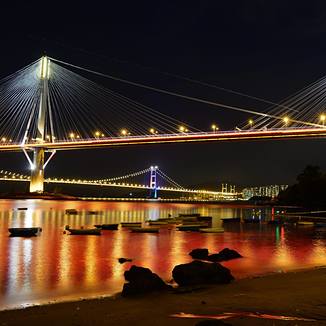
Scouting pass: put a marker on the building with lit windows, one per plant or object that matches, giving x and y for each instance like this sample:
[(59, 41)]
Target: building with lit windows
[(271, 191)]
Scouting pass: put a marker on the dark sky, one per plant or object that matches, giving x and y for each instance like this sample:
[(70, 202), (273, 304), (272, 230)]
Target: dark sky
[(263, 48)]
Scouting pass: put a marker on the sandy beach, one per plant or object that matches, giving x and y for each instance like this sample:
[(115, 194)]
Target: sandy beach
[(298, 294)]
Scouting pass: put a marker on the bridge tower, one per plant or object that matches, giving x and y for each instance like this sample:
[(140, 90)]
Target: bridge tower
[(37, 166), (153, 182)]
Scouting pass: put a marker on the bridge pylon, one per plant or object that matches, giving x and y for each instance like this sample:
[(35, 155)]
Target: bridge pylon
[(153, 182), (37, 166)]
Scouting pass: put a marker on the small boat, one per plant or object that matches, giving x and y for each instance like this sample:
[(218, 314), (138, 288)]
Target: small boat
[(93, 212), (204, 218), (190, 227), (157, 222), (212, 230), (84, 231), (231, 220), (131, 224), (22, 208), (107, 226), (71, 211), (145, 230), (24, 232), (189, 215)]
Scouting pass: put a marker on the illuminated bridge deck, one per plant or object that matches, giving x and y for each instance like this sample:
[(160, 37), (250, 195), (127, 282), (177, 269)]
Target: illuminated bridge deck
[(290, 133)]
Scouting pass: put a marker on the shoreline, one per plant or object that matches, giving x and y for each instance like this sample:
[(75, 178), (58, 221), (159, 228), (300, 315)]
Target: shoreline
[(294, 293)]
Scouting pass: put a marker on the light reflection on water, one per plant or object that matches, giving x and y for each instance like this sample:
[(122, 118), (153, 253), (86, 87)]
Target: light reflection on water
[(56, 266)]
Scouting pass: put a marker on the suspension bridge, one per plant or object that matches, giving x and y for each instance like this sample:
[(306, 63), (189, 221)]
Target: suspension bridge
[(153, 185), (49, 105)]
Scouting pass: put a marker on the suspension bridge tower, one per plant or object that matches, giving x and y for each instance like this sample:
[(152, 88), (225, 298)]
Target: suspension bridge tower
[(37, 166), (153, 182)]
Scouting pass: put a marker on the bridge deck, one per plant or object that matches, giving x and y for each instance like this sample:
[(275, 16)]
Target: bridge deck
[(290, 133)]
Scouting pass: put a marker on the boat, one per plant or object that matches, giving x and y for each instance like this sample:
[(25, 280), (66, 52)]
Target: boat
[(212, 230), (204, 218), (22, 208), (231, 220), (24, 232), (71, 211), (94, 231), (145, 230), (93, 212), (189, 215), (157, 223), (190, 227), (131, 224), (107, 226)]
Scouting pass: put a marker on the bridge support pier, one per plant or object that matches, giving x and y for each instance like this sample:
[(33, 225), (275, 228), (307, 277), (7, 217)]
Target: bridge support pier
[(37, 174)]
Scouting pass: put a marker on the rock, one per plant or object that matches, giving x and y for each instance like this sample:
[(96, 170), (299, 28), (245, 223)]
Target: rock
[(124, 260), (199, 272), (212, 322), (200, 253), (224, 255), (141, 280)]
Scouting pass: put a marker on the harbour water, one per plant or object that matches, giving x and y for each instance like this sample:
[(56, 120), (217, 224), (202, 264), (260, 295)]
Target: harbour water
[(56, 266)]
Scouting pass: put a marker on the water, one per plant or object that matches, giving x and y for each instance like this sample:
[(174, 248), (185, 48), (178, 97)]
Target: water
[(55, 266)]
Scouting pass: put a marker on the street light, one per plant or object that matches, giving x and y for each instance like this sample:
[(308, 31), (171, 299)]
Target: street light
[(124, 132), (72, 135), (322, 118), (214, 127), (250, 122), (286, 120), (97, 134)]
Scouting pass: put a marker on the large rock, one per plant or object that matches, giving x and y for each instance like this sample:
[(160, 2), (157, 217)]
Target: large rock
[(224, 255), (200, 253), (212, 322), (141, 280), (198, 272)]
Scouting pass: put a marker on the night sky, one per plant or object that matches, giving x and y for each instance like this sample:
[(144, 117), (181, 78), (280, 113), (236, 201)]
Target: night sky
[(263, 48)]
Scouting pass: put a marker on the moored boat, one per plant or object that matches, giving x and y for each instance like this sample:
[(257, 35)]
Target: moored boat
[(131, 224), (107, 226), (71, 211), (157, 223), (230, 220), (145, 230), (24, 232), (22, 208), (84, 231), (190, 227)]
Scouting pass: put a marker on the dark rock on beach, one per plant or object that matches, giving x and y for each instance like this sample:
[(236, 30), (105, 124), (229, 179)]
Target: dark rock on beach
[(142, 280), (212, 322), (224, 255), (200, 253), (198, 272), (124, 260)]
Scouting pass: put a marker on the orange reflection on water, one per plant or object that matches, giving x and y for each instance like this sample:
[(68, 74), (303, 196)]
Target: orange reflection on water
[(57, 266)]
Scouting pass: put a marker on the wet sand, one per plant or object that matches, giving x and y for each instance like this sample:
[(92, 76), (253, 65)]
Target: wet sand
[(297, 294)]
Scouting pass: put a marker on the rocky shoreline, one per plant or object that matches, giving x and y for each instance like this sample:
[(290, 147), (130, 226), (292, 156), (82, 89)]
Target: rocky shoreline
[(295, 294)]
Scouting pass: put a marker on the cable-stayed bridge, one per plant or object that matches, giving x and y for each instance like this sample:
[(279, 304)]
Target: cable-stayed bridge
[(52, 105), (154, 175)]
